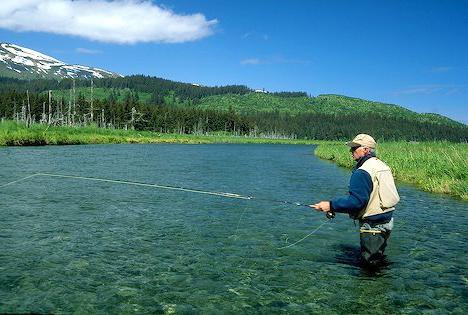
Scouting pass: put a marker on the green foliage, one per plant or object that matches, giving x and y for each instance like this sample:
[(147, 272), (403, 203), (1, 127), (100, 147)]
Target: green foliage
[(173, 107), (256, 102), (156, 86), (117, 95), (17, 134), (322, 104), (440, 167)]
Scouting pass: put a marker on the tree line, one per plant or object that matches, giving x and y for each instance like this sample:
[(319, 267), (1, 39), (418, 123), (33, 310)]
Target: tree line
[(158, 87), (131, 113)]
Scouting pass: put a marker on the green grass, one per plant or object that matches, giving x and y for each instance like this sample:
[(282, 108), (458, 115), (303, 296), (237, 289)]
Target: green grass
[(440, 167), (16, 134)]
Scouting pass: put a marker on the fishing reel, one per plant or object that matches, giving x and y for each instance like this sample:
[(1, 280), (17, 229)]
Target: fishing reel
[(330, 215)]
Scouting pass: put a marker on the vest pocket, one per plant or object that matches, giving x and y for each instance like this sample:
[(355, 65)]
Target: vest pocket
[(388, 193)]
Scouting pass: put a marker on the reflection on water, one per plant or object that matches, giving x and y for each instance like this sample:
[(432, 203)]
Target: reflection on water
[(68, 245), (351, 255)]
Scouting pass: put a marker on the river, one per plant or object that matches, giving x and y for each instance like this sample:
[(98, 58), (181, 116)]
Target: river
[(70, 245)]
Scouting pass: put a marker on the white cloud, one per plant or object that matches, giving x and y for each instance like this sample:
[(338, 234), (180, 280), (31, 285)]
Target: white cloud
[(251, 61), (273, 60), (440, 69), (118, 21), (446, 89), (87, 51), (255, 35)]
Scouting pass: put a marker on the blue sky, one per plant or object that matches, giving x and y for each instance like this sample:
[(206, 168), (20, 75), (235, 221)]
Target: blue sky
[(410, 53)]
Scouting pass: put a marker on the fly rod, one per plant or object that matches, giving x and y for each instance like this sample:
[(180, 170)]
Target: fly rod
[(329, 215)]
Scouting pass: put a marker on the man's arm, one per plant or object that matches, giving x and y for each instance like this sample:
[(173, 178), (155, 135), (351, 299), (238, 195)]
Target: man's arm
[(360, 188)]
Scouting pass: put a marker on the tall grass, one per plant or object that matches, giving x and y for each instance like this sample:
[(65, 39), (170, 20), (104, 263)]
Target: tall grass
[(440, 167), (17, 134)]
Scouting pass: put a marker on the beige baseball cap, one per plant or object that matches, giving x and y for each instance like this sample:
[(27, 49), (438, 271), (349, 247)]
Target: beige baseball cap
[(362, 140)]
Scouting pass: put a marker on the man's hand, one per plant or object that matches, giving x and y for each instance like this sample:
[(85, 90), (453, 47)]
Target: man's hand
[(323, 206)]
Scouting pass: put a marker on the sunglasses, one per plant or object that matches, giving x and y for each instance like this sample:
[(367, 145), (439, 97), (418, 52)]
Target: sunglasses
[(354, 149)]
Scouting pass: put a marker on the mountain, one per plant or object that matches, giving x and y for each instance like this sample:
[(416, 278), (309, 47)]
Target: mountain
[(33, 85), (169, 106), (329, 104), (25, 63)]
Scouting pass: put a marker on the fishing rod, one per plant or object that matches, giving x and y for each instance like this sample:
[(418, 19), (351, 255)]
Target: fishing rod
[(329, 215)]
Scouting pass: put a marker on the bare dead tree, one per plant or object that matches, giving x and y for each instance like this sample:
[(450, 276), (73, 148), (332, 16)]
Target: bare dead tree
[(74, 103), (43, 115), (23, 112), (92, 109), (49, 120), (28, 118)]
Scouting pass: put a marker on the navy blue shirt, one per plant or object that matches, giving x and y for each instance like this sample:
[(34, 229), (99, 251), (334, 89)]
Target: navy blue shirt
[(360, 188)]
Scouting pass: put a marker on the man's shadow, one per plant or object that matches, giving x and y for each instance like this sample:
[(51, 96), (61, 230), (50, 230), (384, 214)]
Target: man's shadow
[(351, 256)]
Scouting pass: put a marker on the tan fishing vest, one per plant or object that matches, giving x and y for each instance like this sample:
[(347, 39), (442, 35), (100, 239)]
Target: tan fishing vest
[(384, 195)]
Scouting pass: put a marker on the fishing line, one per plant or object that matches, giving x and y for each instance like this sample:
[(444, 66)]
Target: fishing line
[(311, 233), (18, 180), (198, 191), (235, 236), (117, 181)]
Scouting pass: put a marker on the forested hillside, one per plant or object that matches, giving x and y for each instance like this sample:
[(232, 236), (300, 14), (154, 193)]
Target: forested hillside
[(148, 103)]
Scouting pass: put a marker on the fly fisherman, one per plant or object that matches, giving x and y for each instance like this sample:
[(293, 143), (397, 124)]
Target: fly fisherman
[(372, 199)]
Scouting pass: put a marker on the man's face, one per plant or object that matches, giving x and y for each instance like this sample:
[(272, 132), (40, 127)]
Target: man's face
[(358, 152)]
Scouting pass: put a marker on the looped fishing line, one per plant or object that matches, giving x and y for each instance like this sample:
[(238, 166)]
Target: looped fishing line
[(311, 233), (198, 191), (18, 180)]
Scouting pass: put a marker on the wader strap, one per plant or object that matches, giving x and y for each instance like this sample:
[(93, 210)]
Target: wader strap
[(370, 231)]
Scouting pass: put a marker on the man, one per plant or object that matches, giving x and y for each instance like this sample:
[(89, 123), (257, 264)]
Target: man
[(372, 199)]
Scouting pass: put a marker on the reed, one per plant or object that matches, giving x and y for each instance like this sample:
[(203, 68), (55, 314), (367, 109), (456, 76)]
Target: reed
[(440, 167), (17, 134)]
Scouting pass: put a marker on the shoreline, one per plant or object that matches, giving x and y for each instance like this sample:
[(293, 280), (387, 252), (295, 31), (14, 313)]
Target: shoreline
[(14, 134), (437, 167)]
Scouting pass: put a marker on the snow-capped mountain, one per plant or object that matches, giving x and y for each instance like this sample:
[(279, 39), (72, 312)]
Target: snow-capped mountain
[(20, 62)]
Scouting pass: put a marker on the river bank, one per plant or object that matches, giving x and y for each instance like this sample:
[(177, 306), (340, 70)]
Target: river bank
[(15, 134), (440, 167)]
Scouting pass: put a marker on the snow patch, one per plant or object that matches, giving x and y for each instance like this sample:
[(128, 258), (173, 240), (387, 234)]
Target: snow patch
[(22, 60), (43, 66), (29, 53)]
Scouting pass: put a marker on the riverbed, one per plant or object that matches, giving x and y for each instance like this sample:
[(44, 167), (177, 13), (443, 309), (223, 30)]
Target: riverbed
[(75, 245)]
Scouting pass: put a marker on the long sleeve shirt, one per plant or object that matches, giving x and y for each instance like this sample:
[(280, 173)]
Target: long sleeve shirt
[(360, 188)]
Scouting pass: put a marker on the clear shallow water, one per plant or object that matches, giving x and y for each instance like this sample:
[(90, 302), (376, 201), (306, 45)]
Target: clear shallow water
[(74, 246)]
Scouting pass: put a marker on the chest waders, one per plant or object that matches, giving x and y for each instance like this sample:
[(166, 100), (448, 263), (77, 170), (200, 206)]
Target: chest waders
[(383, 198), (373, 239)]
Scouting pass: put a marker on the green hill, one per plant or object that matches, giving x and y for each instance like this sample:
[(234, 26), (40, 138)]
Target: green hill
[(323, 104), (245, 104), (100, 94), (149, 103)]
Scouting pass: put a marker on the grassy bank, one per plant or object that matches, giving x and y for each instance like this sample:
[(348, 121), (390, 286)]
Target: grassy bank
[(440, 167), (15, 134)]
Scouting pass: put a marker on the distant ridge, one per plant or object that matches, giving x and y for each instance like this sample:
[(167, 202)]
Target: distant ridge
[(24, 63), (19, 65)]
